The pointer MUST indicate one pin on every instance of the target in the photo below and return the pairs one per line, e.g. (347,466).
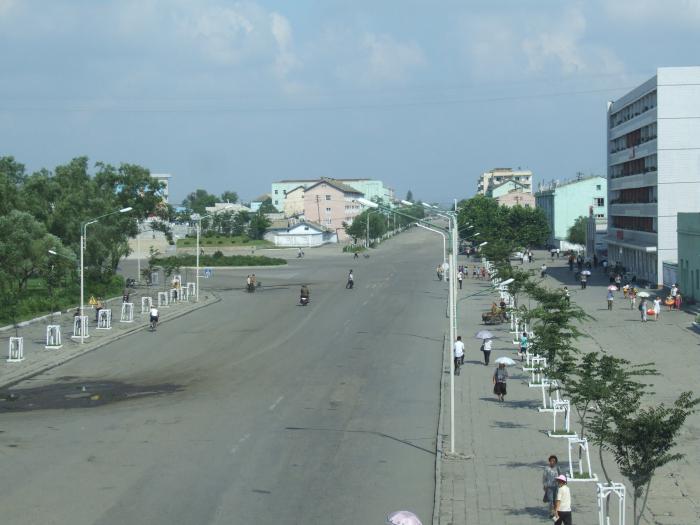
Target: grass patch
(584,475)
(353,249)
(37,301)
(178,261)
(562,433)
(222,240)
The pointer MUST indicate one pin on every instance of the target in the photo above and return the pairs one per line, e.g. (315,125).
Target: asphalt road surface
(252,411)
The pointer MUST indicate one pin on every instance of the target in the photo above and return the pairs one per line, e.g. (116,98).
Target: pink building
(331,203)
(517,198)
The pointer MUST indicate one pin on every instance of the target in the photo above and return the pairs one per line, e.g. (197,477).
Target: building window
(327,222)
(276,202)
(597,187)
(275,193)
(599,201)
(328,197)
(328,210)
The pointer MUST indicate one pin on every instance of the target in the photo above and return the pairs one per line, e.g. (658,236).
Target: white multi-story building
(653,169)
(164,179)
(498,176)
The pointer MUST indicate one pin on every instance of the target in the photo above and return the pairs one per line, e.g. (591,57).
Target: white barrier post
(81,328)
(104,319)
(583,471)
(146,304)
(191,289)
(603,491)
(127,313)
(53,337)
(16,350)
(549,386)
(538,365)
(162,299)
(558,407)
(184,295)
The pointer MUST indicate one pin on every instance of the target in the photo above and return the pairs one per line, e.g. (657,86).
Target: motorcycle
(303,301)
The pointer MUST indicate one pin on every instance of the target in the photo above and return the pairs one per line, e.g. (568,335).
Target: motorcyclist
(351,280)
(304,294)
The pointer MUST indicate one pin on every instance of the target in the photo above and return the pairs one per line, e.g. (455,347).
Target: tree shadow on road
(521,464)
(535,512)
(506,424)
(525,403)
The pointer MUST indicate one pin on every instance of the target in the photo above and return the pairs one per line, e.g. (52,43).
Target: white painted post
(146,304)
(513,324)
(539,364)
(584,462)
(53,337)
(549,386)
(127,313)
(558,407)
(603,490)
(191,289)
(16,350)
(162,299)
(81,328)
(184,294)
(104,319)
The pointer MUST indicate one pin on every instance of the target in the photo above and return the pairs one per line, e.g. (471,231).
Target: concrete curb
(439,440)
(102,344)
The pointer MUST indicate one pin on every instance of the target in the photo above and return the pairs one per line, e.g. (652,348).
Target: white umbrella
(612,288)
(403,517)
(643,294)
(484,334)
(586,272)
(505,360)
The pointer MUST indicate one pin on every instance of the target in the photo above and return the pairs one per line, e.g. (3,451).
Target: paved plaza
(496,477)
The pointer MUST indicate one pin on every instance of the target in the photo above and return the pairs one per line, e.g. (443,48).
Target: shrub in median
(219,259)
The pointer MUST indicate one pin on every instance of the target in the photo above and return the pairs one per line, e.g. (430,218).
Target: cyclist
(154,317)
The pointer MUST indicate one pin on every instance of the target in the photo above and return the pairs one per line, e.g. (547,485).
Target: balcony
(633,181)
(644,241)
(640,209)
(643,149)
(642,119)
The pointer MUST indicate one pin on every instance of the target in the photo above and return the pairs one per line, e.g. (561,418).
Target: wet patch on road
(77,394)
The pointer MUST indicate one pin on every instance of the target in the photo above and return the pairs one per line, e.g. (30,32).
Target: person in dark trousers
(550,484)
(500,376)
(486,349)
(351,280)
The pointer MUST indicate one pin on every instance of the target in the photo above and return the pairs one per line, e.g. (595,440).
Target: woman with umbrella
(500,376)
(486,337)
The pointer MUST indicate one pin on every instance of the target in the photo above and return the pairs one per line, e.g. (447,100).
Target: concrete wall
(689,254)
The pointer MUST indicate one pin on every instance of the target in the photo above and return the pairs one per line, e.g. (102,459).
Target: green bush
(218,254)
(223,260)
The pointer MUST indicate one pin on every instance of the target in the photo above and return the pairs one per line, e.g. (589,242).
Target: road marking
(242,440)
(274,405)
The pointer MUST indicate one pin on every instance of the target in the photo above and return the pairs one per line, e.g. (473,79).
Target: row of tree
(610,395)
(382,221)
(504,229)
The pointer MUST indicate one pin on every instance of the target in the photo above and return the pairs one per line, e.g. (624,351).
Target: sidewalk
(502,447)
(38,359)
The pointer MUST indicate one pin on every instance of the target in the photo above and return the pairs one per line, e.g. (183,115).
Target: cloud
(537,43)
(370,59)
(6,6)
(285,60)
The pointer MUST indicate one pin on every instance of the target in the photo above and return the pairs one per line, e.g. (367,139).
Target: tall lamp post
(199,229)
(83,242)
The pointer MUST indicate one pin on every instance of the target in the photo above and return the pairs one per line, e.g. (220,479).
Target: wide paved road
(251,411)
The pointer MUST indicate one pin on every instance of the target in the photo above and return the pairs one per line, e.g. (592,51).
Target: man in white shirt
(458,352)
(562,505)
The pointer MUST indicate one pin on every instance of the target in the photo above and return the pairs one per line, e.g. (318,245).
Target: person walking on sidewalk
(486,349)
(549,482)
(562,503)
(611,297)
(522,346)
(543,271)
(567,295)
(657,308)
(458,352)
(460,278)
(678,301)
(500,376)
(632,294)
(643,310)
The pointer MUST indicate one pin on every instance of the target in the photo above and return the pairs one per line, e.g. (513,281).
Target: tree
(409,196)
(358,228)
(258,225)
(529,225)
(642,443)
(577,233)
(267,206)
(229,196)
(198,200)
(12,176)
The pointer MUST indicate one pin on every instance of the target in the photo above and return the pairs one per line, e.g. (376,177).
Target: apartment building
(372,189)
(653,158)
(497,176)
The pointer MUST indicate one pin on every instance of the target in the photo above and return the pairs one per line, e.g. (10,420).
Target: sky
(424,95)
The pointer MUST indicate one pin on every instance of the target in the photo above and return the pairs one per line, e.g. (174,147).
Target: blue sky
(233,95)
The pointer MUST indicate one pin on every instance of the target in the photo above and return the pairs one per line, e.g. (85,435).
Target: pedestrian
(643,310)
(605,265)
(529,256)
(632,294)
(486,349)
(475,273)
(657,308)
(523,346)
(458,353)
(552,254)
(543,271)
(674,292)
(611,297)
(549,482)
(571,262)
(562,503)
(500,376)
(567,295)
(351,280)
(98,306)
(618,280)
(438,270)
(125,295)
(679,300)
(460,278)
(584,281)
(446,270)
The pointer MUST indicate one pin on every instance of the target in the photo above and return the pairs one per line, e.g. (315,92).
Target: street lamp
(83,242)
(199,229)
